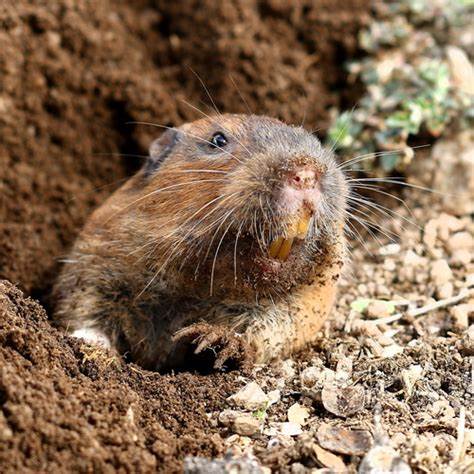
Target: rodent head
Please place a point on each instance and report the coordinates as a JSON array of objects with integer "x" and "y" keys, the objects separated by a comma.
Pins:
[{"x": 237, "y": 205}]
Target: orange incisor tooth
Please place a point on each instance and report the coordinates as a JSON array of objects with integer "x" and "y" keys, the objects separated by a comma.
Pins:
[
  {"x": 275, "y": 247},
  {"x": 303, "y": 226},
  {"x": 280, "y": 248},
  {"x": 285, "y": 249}
]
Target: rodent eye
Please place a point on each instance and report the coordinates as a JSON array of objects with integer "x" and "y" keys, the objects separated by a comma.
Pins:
[{"x": 218, "y": 140}]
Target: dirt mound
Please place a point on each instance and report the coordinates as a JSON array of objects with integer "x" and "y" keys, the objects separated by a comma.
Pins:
[
  {"x": 64, "y": 404},
  {"x": 75, "y": 72}
]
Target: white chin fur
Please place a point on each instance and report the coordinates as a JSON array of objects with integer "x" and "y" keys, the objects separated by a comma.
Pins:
[{"x": 93, "y": 336}]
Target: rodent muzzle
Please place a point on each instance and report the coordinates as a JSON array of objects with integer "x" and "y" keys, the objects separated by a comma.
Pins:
[{"x": 298, "y": 198}]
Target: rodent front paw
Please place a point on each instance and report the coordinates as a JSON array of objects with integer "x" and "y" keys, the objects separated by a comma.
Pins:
[{"x": 227, "y": 346}]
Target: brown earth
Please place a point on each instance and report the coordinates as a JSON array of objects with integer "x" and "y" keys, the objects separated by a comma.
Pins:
[{"x": 73, "y": 73}]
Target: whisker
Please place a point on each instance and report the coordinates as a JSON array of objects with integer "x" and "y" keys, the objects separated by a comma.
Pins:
[
  {"x": 394, "y": 180},
  {"x": 202, "y": 171},
  {"x": 211, "y": 288},
  {"x": 383, "y": 210},
  {"x": 206, "y": 89},
  {"x": 387, "y": 233},
  {"x": 240, "y": 94},
  {"x": 235, "y": 252},
  {"x": 157, "y": 191}
]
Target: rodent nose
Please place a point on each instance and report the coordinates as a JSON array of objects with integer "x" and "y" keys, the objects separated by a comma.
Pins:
[{"x": 302, "y": 178}]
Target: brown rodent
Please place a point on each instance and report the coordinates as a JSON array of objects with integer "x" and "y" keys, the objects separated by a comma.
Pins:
[{"x": 234, "y": 226}]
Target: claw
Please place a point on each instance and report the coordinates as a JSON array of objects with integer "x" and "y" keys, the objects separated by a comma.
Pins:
[{"x": 204, "y": 342}]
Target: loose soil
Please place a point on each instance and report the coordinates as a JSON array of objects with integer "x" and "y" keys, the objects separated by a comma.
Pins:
[{"x": 73, "y": 74}]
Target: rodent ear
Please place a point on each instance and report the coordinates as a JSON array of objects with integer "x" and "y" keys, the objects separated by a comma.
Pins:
[{"x": 161, "y": 148}]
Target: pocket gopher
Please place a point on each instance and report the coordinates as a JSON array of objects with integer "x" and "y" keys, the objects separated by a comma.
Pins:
[{"x": 233, "y": 228}]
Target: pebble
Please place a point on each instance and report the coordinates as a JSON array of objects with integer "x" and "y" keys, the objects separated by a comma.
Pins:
[
  {"x": 297, "y": 414},
  {"x": 328, "y": 459},
  {"x": 353, "y": 442},
  {"x": 379, "y": 309},
  {"x": 274, "y": 397},
  {"x": 440, "y": 272},
  {"x": 461, "y": 257},
  {"x": 430, "y": 233},
  {"x": 390, "y": 249},
  {"x": 460, "y": 240},
  {"x": 461, "y": 69},
  {"x": 391, "y": 351},
  {"x": 460, "y": 315},
  {"x": 383, "y": 459},
  {"x": 287, "y": 369},
  {"x": 410, "y": 377},
  {"x": 310, "y": 375},
  {"x": 241, "y": 423},
  {"x": 251, "y": 397},
  {"x": 286, "y": 428},
  {"x": 389, "y": 265},
  {"x": 246, "y": 425},
  {"x": 343, "y": 401},
  {"x": 445, "y": 291}
]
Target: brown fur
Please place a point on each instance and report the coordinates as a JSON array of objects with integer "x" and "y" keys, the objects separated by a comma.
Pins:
[{"x": 178, "y": 245}]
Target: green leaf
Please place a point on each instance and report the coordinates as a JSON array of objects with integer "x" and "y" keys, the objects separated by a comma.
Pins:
[{"x": 360, "y": 305}]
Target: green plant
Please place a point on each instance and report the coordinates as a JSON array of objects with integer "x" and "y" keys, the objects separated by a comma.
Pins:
[{"x": 418, "y": 81}]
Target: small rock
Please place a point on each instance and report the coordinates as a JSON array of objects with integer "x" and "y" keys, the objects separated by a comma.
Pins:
[
  {"x": 279, "y": 441},
  {"x": 461, "y": 69},
  {"x": 287, "y": 369},
  {"x": 238, "y": 441},
  {"x": 440, "y": 272},
  {"x": 241, "y": 423},
  {"x": 246, "y": 425},
  {"x": 411, "y": 259},
  {"x": 343, "y": 401},
  {"x": 298, "y": 468},
  {"x": 328, "y": 459},
  {"x": 383, "y": 459},
  {"x": 391, "y": 351},
  {"x": 445, "y": 291},
  {"x": 389, "y": 265},
  {"x": 341, "y": 440},
  {"x": 430, "y": 233},
  {"x": 310, "y": 375},
  {"x": 452, "y": 171},
  {"x": 251, "y": 397},
  {"x": 286, "y": 428},
  {"x": 274, "y": 397},
  {"x": 443, "y": 411},
  {"x": 242, "y": 465},
  {"x": 460, "y": 315},
  {"x": 390, "y": 249},
  {"x": 460, "y": 241},
  {"x": 410, "y": 377},
  {"x": 297, "y": 414},
  {"x": 227, "y": 417},
  {"x": 344, "y": 369},
  {"x": 461, "y": 257},
  {"x": 379, "y": 309}
]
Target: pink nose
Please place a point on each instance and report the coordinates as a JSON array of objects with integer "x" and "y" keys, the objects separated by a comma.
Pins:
[{"x": 302, "y": 178}]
